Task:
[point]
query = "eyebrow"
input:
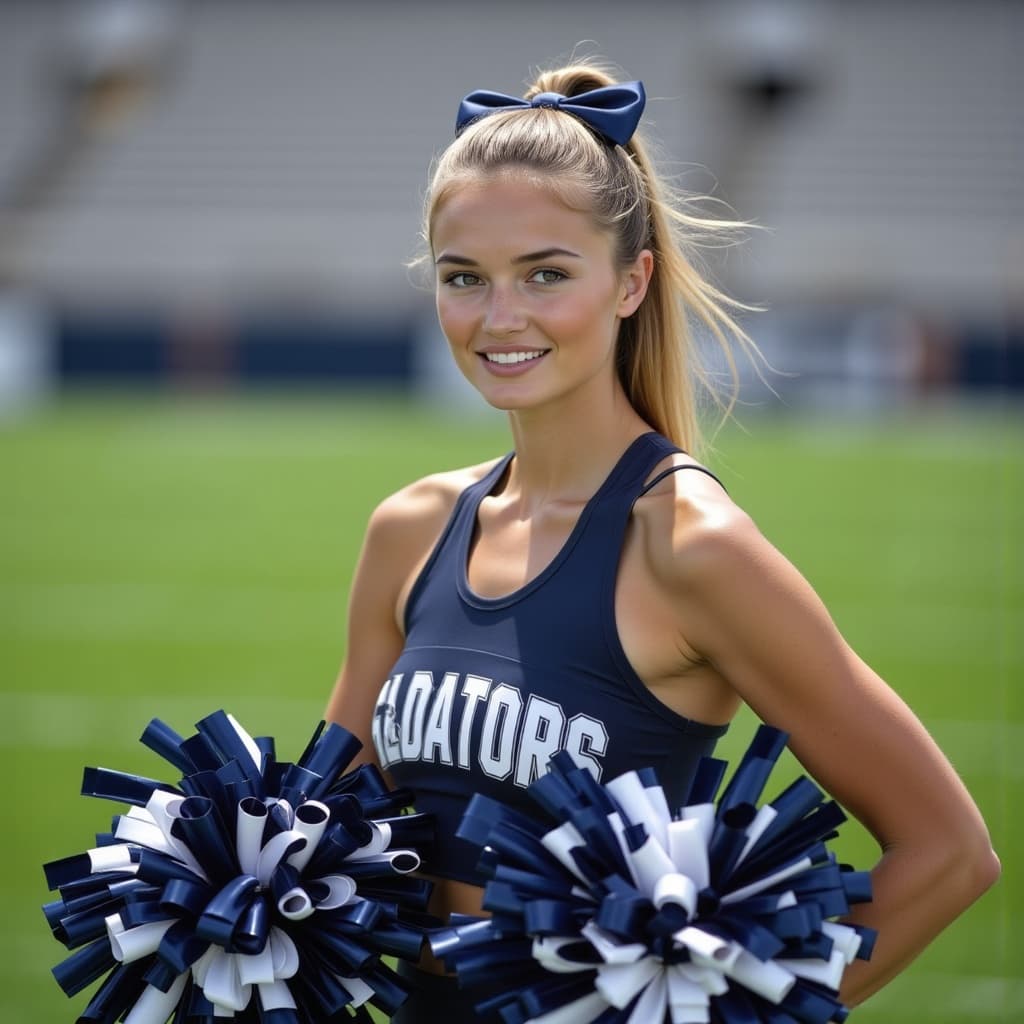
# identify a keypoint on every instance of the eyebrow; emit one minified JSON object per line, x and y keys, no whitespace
{"x":530,"y":257}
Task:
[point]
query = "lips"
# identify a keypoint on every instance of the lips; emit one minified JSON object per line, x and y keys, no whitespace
{"x":512,"y":362}
{"x":509,"y":358}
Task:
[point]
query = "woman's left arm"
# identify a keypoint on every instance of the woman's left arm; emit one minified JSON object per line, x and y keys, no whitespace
{"x":751,"y":614}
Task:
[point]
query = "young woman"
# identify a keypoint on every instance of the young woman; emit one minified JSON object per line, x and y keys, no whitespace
{"x":597,"y":590}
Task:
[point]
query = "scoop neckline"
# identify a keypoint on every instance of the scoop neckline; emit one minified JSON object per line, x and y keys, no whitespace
{"x":468,"y":594}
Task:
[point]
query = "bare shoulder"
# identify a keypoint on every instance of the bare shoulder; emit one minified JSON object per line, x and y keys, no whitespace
{"x":414,"y":516}
{"x":693,"y":532}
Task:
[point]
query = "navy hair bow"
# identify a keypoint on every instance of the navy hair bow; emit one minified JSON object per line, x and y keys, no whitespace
{"x":612,"y":111}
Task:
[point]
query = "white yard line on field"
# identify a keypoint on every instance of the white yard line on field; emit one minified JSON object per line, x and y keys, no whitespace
{"x":948,"y":997}
{"x":55,"y":721}
{"x":66,"y":721}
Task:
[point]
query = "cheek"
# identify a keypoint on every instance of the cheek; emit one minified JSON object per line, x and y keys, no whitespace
{"x":587,"y":318}
{"x":454,"y":321}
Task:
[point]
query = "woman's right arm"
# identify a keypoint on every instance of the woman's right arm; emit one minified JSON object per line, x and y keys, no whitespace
{"x":374,"y":639}
{"x":399,"y":538}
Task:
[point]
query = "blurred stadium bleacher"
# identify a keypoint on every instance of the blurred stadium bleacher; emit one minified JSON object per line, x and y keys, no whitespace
{"x":230,"y":190}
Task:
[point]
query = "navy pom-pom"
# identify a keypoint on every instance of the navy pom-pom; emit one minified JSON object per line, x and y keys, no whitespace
{"x":253,"y":889}
{"x":610,"y":907}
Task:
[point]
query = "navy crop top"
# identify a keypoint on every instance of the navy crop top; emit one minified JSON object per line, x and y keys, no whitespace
{"x":487,"y":689}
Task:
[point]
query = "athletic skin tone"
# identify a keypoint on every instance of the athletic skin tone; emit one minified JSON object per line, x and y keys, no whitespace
{"x":531,"y":295}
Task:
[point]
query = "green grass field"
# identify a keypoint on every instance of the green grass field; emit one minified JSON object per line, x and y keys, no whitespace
{"x":170,"y":556}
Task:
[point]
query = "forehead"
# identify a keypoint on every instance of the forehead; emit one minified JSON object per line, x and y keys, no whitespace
{"x":511,"y":212}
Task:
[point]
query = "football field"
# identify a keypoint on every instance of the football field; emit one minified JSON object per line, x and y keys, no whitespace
{"x":169,"y":556}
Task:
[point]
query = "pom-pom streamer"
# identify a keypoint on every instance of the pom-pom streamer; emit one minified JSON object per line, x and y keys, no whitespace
{"x":253,"y":889}
{"x":611,"y":907}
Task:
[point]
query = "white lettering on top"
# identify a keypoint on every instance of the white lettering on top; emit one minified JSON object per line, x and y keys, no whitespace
{"x":495,"y":731}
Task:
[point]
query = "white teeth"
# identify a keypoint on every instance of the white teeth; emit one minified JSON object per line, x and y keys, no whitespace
{"x":511,"y":357}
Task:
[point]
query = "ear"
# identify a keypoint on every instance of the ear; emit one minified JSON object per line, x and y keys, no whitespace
{"x":635,"y":279}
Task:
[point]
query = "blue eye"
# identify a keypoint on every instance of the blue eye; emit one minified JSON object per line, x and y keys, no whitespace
{"x":548,"y":275}
{"x":462,"y":279}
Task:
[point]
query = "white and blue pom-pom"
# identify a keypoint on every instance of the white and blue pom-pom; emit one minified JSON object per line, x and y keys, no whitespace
{"x":253,"y":889}
{"x":610,"y":907}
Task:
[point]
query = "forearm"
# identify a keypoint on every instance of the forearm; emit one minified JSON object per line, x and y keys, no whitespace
{"x":916,"y":893}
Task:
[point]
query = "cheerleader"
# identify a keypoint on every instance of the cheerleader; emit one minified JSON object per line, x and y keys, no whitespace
{"x":596,"y":590}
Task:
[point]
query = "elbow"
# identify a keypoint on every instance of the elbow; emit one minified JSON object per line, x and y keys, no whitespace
{"x":987,"y":868}
{"x":976,"y":865}
{"x":961,"y":864}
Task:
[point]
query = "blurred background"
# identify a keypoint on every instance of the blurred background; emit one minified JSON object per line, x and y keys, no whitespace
{"x":214,"y":362}
{"x":227,"y":193}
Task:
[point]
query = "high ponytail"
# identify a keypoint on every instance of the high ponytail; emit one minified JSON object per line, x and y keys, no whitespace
{"x":657,"y":360}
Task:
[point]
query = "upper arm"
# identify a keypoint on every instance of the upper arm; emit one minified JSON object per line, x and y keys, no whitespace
{"x":374,"y":640}
{"x":758,"y":621}
{"x":401,"y":534}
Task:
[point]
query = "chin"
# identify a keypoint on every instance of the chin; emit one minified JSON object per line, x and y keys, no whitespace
{"x":507,"y":399}
{"x":508,"y":403}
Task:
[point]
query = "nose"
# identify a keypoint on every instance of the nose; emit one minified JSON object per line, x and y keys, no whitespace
{"x":503,"y":315}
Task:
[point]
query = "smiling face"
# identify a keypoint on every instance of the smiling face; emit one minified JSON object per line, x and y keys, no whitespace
{"x":528,"y":293}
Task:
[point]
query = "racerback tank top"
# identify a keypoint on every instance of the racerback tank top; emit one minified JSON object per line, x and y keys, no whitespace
{"x":487,"y":689}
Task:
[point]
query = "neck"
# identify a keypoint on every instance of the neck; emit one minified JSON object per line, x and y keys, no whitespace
{"x":565,"y":453}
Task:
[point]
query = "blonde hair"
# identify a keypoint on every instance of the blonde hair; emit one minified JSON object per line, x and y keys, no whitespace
{"x":658,"y":364}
